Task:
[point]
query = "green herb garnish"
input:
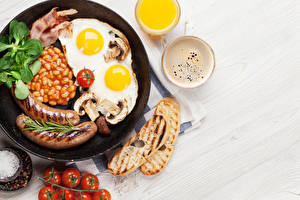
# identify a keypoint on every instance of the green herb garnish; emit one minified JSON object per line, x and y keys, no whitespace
{"x":21,"y":90}
{"x":51,"y":127}
{"x":19,"y":64}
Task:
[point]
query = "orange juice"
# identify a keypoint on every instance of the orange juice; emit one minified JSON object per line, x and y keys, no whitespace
{"x":157,"y":17}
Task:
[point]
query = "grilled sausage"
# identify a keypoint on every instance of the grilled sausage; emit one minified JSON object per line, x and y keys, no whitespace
{"x":39,"y":111}
{"x":55,"y":140}
{"x":103,"y":129}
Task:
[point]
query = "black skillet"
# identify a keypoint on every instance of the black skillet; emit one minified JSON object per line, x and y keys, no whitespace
{"x":99,"y":144}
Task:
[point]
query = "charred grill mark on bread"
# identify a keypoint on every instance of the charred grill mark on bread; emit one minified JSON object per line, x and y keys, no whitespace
{"x":155,"y":163}
{"x":130,"y":157}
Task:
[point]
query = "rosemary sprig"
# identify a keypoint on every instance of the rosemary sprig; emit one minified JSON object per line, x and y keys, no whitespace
{"x":51,"y":127}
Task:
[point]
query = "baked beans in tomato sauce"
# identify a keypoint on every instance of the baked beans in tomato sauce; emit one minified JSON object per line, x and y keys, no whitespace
{"x":53,"y":84}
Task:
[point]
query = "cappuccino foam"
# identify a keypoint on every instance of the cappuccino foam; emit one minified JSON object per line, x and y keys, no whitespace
{"x":185,"y":64}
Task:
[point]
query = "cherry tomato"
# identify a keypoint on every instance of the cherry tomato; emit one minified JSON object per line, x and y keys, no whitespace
{"x":85,"y":78}
{"x":84,"y":196}
{"x":103,"y":195}
{"x":47,"y":193}
{"x":52,"y":175}
{"x":71,"y":177}
{"x":67,"y":194}
{"x":89,"y":182}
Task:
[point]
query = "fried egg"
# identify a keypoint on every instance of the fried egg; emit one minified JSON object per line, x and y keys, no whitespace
{"x":87,"y":45}
{"x":114,"y":80}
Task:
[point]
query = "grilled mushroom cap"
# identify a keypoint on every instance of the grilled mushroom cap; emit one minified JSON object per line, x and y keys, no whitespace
{"x":87,"y":103}
{"x":90,"y":108}
{"x":119,"y":49}
{"x":114,"y":113}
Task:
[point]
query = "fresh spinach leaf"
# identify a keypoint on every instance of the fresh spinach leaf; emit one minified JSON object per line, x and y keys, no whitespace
{"x":7,"y":55}
{"x":16,"y":75}
{"x":21,"y":90}
{"x":4,"y":63}
{"x":12,"y":25}
{"x":20,"y":53}
{"x":28,"y":60}
{"x":15,"y":68}
{"x":19,"y":57}
{"x":33,"y":47}
{"x":19,"y":31}
{"x":9,"y":82}
{"x":4,"y":46}
{"x":26,"y":74}
{"x":12,"y":54}
{"x":3,"y":77}
{"x":4,"y":39}
{"x":35,"y":67}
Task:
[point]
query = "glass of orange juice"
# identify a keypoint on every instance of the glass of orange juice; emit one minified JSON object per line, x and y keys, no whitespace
{"x":157,"y":17}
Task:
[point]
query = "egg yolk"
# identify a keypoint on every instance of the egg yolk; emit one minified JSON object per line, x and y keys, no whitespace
{"x":117,"y":78}
{"x":89,"y":41}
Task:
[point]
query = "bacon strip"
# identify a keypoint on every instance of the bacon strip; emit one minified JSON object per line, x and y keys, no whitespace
{"x":48,"y":27}
{"x":50,"y":36}
{"x":67,"y":12}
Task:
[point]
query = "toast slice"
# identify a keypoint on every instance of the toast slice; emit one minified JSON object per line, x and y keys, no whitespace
{"x":135,"y":151}
{"x":170,"y":110}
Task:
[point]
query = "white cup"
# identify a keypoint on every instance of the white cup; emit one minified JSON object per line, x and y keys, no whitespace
{"x":207,"y":54}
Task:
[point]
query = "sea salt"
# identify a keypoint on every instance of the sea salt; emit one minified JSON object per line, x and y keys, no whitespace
{"x":9,"y":164}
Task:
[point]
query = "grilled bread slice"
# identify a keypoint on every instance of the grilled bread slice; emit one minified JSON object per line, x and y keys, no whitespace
{"x":135,"y":151}
{"x":170,"y":110}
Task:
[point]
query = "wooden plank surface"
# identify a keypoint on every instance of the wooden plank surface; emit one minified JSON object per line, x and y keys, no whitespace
{"x":248,"y":147}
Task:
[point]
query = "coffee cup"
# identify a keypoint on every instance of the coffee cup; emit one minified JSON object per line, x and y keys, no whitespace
{"x":188,"y":62}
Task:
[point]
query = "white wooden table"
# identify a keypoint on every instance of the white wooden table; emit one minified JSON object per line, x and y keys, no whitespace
{"x":248,"y":147}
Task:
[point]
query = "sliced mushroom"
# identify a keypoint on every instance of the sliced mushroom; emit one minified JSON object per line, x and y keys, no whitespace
{"x":114,"y":119}
{"x":119,"y":49}
{"x":110,"y":107}
{"x":87,"y":103}
{"x":90,"y":108}
{"x":112,"y":53}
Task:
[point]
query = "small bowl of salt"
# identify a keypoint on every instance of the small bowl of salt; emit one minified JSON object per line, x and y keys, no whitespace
{"x":11,"y":164}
